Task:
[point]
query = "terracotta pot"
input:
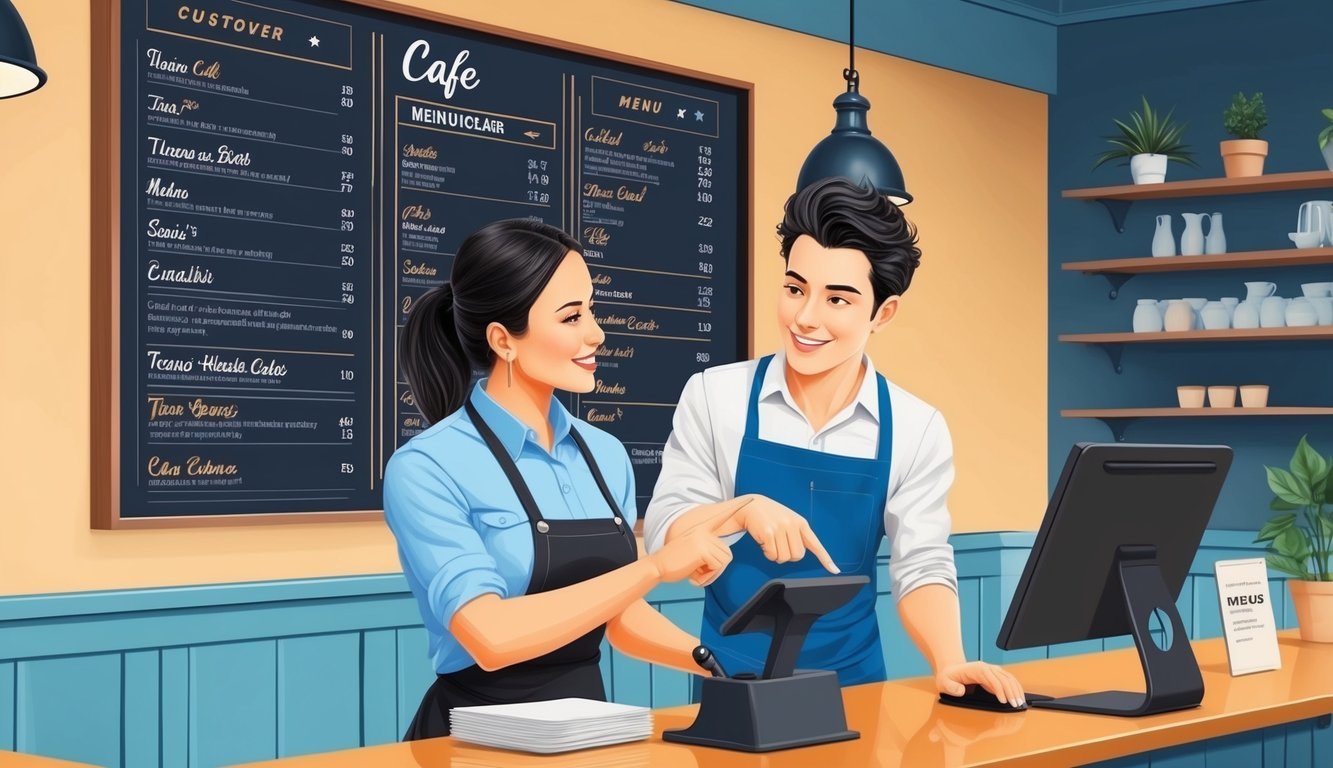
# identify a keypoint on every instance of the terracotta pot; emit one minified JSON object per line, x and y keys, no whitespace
{"x":1244,"y":157}
{"x":1314,"y":609}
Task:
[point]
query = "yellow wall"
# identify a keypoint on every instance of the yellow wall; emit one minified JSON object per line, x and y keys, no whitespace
{"x":970,"y":338}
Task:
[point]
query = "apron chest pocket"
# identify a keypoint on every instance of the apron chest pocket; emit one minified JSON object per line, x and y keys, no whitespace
{"x":845,"y":524}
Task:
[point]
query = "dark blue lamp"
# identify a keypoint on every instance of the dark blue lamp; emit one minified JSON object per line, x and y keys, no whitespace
{"x":850,"y":151}
{"x":19,"y":73}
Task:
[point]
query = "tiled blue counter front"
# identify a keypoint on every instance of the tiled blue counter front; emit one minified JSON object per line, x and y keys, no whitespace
{"x":214,"y":675}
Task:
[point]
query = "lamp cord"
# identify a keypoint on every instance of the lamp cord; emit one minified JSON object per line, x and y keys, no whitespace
{"x":850,"y":74}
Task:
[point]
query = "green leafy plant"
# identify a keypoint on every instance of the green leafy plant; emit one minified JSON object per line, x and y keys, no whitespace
{"x":1300,"y":539}
{"x":1245,"y":117}
{"x":1326,"y":135}
{"x":1147,"y":132}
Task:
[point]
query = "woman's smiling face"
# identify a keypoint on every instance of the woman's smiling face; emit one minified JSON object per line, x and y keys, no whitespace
{"x":560,"y":346}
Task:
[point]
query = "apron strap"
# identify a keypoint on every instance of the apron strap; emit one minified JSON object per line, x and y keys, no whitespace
{"x":601,"y":484}
{"x":752,"y":415}
{"x":506,"y":463}
{"x":885,"y":450}
{"x":516,"y":478}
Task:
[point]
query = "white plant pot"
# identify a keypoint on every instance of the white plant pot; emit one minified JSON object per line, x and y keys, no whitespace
{"x":1328,"y":155}
{"x":1148,"y":169}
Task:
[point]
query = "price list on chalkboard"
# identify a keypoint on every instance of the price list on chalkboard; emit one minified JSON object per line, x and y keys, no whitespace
{"x":294,"y":175}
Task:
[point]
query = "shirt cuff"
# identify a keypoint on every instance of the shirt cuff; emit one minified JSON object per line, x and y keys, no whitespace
{"x":467,"y":578}
{"x":906,"y":588}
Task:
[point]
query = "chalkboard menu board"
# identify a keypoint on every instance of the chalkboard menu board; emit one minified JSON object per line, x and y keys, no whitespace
{"x":275,"y":183}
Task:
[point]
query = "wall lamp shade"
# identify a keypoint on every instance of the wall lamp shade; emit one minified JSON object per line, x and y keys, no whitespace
{"x":851,"y":152}
{"x":19,"y":73}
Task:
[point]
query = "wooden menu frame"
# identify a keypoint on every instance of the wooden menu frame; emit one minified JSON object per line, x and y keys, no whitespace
{"x":105,"y":384}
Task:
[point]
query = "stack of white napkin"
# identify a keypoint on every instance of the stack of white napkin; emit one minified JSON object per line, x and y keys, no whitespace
{"x":547,"y":727}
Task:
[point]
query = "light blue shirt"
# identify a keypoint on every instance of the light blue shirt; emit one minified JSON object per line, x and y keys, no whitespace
{"x":461,"y":530}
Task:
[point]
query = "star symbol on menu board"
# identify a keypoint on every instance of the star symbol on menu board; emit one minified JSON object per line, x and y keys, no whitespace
{"x":680,"y":114}
{"x":314,"y":41}
{"x":698,"y":116}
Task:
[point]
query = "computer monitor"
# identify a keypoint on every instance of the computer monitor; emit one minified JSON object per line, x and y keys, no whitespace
{"x":1112,"y":553}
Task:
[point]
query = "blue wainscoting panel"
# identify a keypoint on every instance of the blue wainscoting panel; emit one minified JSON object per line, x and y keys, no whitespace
{"x":379,"y":687}
{"x":319,"y":694}
{"x":199,"y":677}
{"x":672,"y":688}
{"x":69,"y":707}
{"x":415,"y":673}
{"x":175,"y":728}
{"x":233,"y":703}
{"x":7,"y":702}
{"x":141,"y":705}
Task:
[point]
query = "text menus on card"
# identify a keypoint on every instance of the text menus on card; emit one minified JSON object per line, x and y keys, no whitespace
{"x":286,"y":178}
{"x":1247,"y":615}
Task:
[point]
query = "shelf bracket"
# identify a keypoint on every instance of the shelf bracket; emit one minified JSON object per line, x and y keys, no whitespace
{"x":1117,"y":426}
{"x":1114,"y":351}
{"x":1118,"y":209}
{"x":1117,"y":281}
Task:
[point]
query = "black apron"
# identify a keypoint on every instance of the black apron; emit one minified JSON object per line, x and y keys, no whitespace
{"x":565,"y":552}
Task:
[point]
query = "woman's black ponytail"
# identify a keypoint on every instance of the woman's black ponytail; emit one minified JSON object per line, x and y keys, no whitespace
{"x":499,"y":272}
{"x":431,"y":357}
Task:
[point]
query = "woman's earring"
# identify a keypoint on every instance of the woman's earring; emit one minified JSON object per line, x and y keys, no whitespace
{"x":509,"y":370}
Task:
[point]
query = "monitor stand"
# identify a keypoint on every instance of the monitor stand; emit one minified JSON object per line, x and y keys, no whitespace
{"x":1171,"y":675}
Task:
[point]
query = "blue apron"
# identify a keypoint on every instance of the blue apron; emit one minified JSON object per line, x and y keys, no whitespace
{"x":843,"y":499}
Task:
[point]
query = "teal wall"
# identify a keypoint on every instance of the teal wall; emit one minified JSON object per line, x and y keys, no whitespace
{"x":215,"y":675}
{"x":1192,"y":60}
{"x":959,"y":35}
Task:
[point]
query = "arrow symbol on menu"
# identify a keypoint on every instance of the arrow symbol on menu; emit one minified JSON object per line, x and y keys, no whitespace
{"x":531,"y":135}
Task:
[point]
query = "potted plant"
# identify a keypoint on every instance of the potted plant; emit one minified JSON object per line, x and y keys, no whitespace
{"x":1147,"y":141}
{"x":1326,"y":139}
{"x":1244,"y":155}
{"x":1300,"y":538}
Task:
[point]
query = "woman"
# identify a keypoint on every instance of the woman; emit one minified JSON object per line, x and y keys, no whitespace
{"x":515,"y":520}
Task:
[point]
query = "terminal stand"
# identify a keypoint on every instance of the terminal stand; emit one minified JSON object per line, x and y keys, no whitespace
{"x":1171,"y":675}
{"x":786,"y":707}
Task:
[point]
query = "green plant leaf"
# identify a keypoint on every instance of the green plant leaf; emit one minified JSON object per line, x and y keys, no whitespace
{"x":1274,"y":527}
{"x":1325,"y":135}
{"x":1307,"y":465}
{"x":1293,"y":542}
{"x":1288,"y":487}
{"x":1327,"y":113}
{"x":1287,"y":565}
{"x":1279,"y":505}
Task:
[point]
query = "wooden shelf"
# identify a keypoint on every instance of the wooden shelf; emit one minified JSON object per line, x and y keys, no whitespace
{"x":1118,"y":199}
{"x":1314,"y":332}
{"x":1118,"y":419}
{"x":1273,"y":182}
{"x":1288,"y":257}
{"x":1158,"y":413}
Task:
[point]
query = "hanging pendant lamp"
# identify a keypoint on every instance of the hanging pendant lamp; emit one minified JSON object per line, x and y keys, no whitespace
{"x":19,"y":73}
{"x":850,"y":151}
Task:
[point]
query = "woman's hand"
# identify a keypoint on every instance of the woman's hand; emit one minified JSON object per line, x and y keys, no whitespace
{"x":698,"y":550}
{"x":951,"y":680}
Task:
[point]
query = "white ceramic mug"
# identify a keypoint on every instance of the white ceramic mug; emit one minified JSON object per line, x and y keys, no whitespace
{"x":1273,"y":312}
{"x":1215,"y":316}
{"x":1323,"y":308}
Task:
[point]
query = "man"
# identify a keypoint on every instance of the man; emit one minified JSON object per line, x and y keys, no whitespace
{"x":832,"y":457}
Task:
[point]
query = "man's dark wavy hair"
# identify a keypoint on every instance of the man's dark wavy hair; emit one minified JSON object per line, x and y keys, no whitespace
{"x":840,"y":214}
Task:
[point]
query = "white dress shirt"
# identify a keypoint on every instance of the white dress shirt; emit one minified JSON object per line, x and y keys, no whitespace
{"x":700,"y":457}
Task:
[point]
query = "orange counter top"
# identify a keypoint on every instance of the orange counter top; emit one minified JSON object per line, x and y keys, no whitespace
{"x":901,"y":723}
{"x":20,"y":760}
